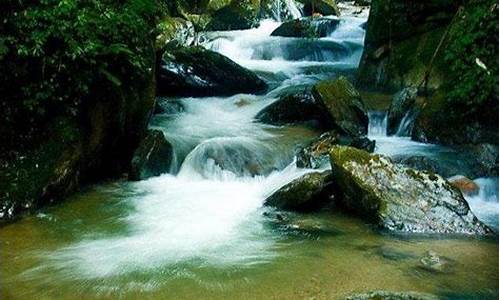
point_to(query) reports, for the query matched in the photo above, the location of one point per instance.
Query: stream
(202, 232)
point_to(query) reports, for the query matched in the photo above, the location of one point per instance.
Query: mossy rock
(400, 199)
(344, 104)
(195, 71)
(322, 7)
(237, 15)
(307, 193)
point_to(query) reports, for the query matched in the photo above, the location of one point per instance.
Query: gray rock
(400, 199)
(307, 193)
(152, 158)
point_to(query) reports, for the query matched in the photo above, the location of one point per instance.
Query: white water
(210, 212)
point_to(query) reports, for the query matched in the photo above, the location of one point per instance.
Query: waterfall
(377, 124)
(283, 8)
(485, 203)
(406, 125)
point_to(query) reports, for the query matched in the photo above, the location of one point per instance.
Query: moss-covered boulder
(321, 7)
(309, 27)
(237, 15)
(316, 154)
(344, 104)
(297, 108)
(401, 42)
(153, 157)
(402, 109)
(307, 193)
(400, 199)
(195, 71)
(453, 127)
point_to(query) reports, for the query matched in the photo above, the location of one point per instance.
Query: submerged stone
(385, 295)
(152, 158)
(400, 199)
(195, 71)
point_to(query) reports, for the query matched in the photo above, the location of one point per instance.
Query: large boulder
(320, 7)
(296, 108)
(402, 109)
(344, 104)
(316, 154)
(307, 193)
(195, 71)
(153, 157)
(401, 41)
(309, 27)
(400, 199)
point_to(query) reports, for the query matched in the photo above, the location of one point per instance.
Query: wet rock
(307, 193)
(434, 263)
(152, 158)
(296, 108)
(456, 127)
(237, 15)
(310, 27)
(195, 71)
(429, 164)
(176, 30)
(400, 199)
(464, 184)
(401, 106)
(385, 295)
(392, 254)
(344, 104)
(316, 154)
(320, 7)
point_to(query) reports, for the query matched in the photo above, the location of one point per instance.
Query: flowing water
(202, 232)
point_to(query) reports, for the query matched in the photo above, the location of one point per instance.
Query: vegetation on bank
(56, 54)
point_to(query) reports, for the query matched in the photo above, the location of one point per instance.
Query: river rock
(307, 193)
(485, 157)
(344, 104)
(385, 295)
(316, 154)
(433, 165)
(435, 263)
(320, 7)
(464, 184)
(195, 71)
(309, 27)
(296, 108)
(401, 105)
(152, 158)
(400, 199)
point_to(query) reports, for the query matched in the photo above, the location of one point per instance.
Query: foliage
(55, 53)
(473, 58)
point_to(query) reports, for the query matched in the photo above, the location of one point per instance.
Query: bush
(53, 53)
